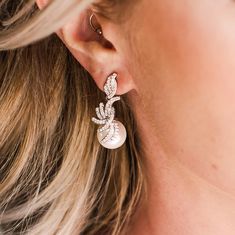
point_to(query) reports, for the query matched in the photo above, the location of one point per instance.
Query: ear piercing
(112, 134)
(97, 30)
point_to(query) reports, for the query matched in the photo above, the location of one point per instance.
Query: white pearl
(115, 142)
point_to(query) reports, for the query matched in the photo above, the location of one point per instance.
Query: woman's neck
(182, 197)
(179, 202)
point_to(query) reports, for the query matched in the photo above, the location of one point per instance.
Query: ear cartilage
(112, 133)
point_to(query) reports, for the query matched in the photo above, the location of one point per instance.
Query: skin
(176, 59)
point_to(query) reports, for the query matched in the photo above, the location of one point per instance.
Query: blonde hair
(55, 178)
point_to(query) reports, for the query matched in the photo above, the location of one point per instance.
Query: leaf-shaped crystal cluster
(106, 113)
(110, 87)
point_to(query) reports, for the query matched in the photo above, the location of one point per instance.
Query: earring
(112, 134)
(97, 30)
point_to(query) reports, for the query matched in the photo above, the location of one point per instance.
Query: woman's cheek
(186, 43)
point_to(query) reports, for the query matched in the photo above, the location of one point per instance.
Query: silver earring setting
(112, 133)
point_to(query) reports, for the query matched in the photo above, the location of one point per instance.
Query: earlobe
(93, 51)
(100, 59)
(41, 3)
(88, 47)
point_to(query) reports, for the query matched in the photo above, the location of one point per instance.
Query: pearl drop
(116, 141)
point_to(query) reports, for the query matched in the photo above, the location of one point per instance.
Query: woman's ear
(95, 53)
